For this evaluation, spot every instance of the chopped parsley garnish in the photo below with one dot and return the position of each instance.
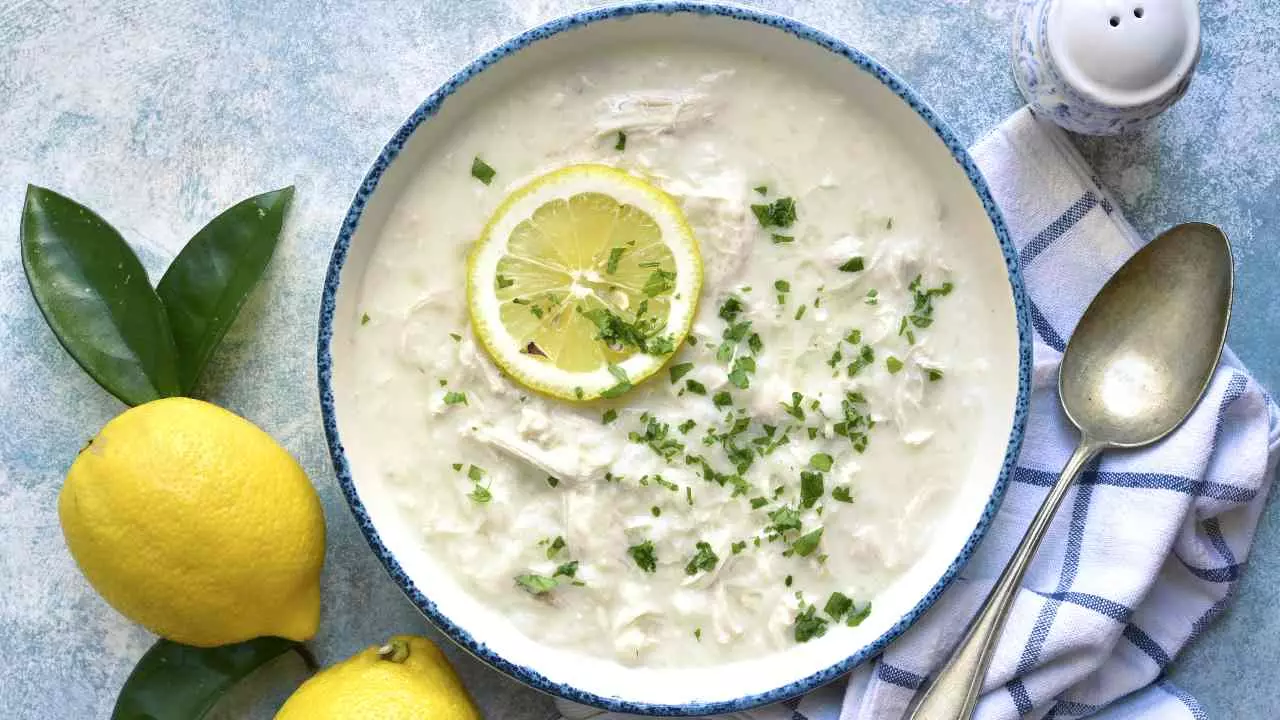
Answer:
(615, 256)
(655, 511)
(782, 286)
(794, 409)
(364, 319)
(934, 374)
(779, 213)
(644, 555)
(480, 494)
(656, 437)
(838, 605)
(785, 518)
(456, 337)
(609, 416)
(856, 617)
(722, 399)
(503, 282)
(475, 474)
(619, 333)
(811, 488)
(624, 383)
(481, 171)
(873, 297)
(679, 370)
(730, 309)
(536, 584)
(553, 481)
(621, 144)
(855, 424)
(807, 543)
(842, 494)
(809, 625)
(738, 547)
(853, 264)
(800, 312)
(703, 559)
(762, 189)
(686, 426)
(921, 315)
(893, 365)
(555, 546)
(821, 461)
(455, 398)
(755, 343)
(457, 467)
(783, 239)
(577, 392)
(758, 502)
(787, 581)
(695, 387)
(665, 483)
(854, 337)
(738, 376)
(660, 282)
(569, 570)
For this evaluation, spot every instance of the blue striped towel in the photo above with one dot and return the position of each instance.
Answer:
(1147, 548)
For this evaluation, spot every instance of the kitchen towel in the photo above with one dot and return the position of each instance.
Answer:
(1148, 546)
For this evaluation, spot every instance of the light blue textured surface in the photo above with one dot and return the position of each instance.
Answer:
(159, 113)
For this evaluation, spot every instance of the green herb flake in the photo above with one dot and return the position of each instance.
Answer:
(722, 399)
(577, 392)
(811, 488)
(679, 370)
(785, 518)
(857, 616)
(779, 213)
(364, 319)
(842, 493)
(934, 374)
(475, 474)
(821, 461)
(755, 343)
(455, 398)
(569, 570)
(809, 625)
(621, 144)
(457, 467)
(893, 365)
(655, 511)
(695, 387)
(779, 239)
(697, 634)
(480, 494)
(536, 584)
(873, 297)
(660, 282)
(615, 256)
(456, 337)
(800, 311)
(481, 171)
(644, 556)
(624, 383)
(738, 547)
(782, 286)
(555, 546)
(758, 502)
(838, 605)
(794, 409)
(807, 543)
(853, 264)
(704, 559)
(553, 481)
(686, 426)
(609, 416)
(762, 189)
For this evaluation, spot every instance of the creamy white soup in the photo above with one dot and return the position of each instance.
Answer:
(714, 512)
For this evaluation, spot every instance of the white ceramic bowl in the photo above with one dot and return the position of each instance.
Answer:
(971, 216)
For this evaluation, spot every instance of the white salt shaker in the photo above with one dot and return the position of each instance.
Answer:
(1101, 67)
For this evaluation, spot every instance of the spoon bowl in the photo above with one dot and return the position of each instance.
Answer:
(1145, 349)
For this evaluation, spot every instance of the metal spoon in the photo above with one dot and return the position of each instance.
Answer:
(1137, 364)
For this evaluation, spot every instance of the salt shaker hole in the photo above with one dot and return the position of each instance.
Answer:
(1115, 21)
(1138, 12)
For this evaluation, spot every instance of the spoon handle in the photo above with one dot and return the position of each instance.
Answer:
(952, 692)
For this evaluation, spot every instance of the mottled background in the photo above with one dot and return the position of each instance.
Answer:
(159, 113)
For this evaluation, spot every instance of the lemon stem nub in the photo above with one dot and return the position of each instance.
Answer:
(396, 651)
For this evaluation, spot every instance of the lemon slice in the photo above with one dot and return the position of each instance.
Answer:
(584, 282)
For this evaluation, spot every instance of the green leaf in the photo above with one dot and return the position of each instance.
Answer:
(210, 279)
(178, 682)
(97, 299)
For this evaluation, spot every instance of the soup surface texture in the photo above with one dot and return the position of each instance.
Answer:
(724, 509)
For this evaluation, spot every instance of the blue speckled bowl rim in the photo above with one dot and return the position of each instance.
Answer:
(429, 108)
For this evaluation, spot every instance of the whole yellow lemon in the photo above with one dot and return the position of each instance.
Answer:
(406, 679)
(194, 523)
